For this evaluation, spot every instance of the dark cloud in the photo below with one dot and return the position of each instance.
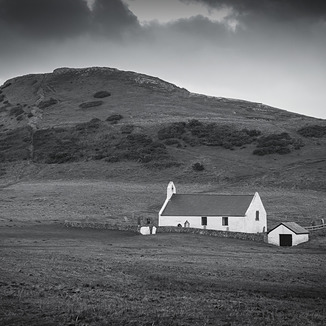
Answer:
(45, 18)
(275, 9)
(112, 17)
(58, 19)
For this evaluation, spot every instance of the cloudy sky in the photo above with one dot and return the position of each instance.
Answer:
(269, 51)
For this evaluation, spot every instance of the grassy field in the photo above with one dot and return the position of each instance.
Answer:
(51, 275)
(124, 202)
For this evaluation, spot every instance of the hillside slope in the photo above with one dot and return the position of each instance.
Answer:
(136, 127)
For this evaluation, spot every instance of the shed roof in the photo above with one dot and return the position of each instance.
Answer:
(294, 227)
(207, 205)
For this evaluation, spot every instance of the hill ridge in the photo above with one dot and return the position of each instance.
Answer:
(123, 118)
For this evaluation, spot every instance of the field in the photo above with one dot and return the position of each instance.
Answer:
(119, 201)
(52, 275)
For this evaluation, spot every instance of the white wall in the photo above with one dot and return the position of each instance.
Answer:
(236, 223)
(274, 236)
(251, 225)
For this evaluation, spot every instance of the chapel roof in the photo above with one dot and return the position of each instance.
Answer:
(207, 205)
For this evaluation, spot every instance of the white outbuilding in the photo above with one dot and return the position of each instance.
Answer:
(235, 213)
(288, 234)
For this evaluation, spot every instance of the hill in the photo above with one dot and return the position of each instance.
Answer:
(118, 126)
(112, 116)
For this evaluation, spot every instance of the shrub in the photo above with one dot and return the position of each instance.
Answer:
(194, 123)
(90, 126)
(114, 118)
(127, 129)
(282, 140)
(139, 140)
(46, 103)
(2, 97)
(298, 143)
(137, 147)
(198, 167)
(210, 134)
(172, 141)
(16, 111)
(277, 143)
(190, 140)
(112, 159)
(101, 94)
(174, 130)
(91, 104)
(313, 131)
(252, 132)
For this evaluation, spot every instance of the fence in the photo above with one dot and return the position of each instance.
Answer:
(315, 227)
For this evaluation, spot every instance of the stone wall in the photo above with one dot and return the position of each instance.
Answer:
(259, 237)
(97, 225)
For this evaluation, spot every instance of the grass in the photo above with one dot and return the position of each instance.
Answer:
(51, 275)
(117, 201)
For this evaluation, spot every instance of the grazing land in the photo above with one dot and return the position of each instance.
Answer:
(121, 202)
(51, 275)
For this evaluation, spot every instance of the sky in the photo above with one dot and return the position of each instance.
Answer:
(266, 51)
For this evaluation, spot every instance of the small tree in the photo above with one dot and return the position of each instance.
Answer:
(198, 167)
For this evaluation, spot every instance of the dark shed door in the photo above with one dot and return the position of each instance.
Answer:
(286, 240)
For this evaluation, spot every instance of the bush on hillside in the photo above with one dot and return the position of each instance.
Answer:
(127, 129)
(252, 132)
(193, 123)
(277, 143)
(211, 134)
(114, 118)
(195, 132)
(2, 97)
(172, 141)
(60, 157)
(16, 111)
(313, 131)
(198, 167)
(46, 103)
(135, 147)
(91, 104)
(174, 130)
(90, 126)
(102, 94)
